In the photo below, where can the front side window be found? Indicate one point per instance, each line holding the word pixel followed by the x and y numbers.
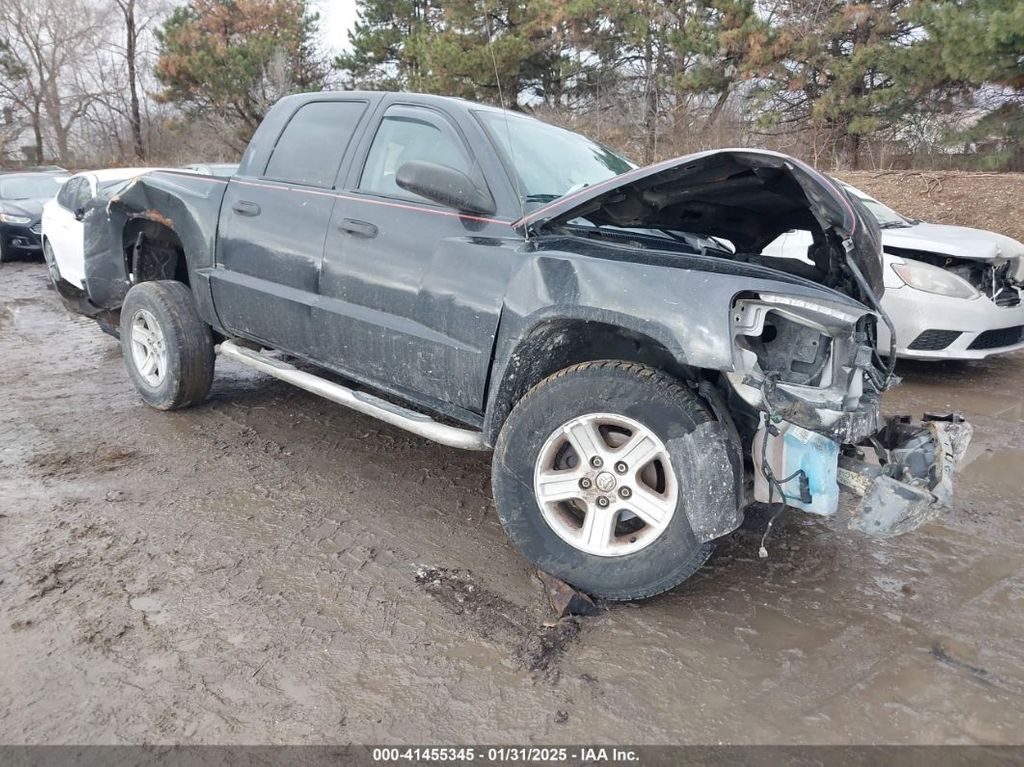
pixel 549 162
pixel 403 137
pixel 310 149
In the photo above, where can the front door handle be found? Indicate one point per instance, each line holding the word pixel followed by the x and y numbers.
pixel 358 228
pixel 246 208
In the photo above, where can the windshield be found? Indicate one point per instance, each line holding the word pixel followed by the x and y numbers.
pixel 29 188
pixel 550 161
pixel 884 215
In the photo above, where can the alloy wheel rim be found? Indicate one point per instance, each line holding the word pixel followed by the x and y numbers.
pixel 149 349
pixel 605 485
pixel 51 264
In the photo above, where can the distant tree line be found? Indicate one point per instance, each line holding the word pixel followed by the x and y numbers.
pixel 823 76
pixel 842 83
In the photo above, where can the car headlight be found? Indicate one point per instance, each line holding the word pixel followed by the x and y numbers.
pixel 933 279
pixel 10 218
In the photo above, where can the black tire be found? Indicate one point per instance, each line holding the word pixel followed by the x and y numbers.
pixel 4 257
pixel 655 400
pixel 188 342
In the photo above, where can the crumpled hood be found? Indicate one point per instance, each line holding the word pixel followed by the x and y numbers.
pixel 747 196
pixel 956 241
pixel 31 208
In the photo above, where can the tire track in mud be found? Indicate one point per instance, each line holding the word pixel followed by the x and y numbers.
pixel 536 648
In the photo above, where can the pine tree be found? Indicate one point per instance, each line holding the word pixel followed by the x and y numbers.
pixel 979 44
pixel 386 43
pixel 678 60
pixel 234 58
pixel 838 67
pixel 526 51
pixel 977 41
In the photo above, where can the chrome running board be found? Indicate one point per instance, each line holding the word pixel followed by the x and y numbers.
pixel 396 415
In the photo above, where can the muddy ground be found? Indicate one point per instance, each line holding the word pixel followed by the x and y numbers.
pixel 272 568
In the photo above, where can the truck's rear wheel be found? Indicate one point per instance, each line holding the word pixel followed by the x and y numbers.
pixel 167 347
pixel 587 479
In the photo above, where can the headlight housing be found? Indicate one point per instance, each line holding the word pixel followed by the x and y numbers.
pixel 933 279
pixel 819 356
pixel 10 218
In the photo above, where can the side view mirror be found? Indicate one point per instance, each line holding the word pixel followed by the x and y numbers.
pixel 79 214
pixel 445 186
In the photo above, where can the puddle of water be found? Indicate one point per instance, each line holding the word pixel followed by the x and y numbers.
pixel 914 396
pixel 998 473
pixel 985 388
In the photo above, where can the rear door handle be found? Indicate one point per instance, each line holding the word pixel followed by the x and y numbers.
pixel 358 228
pixel 245 208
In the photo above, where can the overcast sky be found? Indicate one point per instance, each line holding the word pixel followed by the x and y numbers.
pixel 336 19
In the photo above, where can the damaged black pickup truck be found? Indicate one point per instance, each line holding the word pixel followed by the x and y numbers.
pixel 491 282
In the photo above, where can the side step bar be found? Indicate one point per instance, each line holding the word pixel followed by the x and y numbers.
pixel 396 415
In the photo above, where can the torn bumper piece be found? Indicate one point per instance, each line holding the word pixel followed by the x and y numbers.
pixel 910 480
pixel 903 472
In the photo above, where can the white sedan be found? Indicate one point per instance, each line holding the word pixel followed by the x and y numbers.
pixel 951 292
pixel 63 233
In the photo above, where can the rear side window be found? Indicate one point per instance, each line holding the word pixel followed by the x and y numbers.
pixel 310 149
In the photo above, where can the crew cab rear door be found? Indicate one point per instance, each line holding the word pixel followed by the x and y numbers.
pixel 272 228
pixel 410 290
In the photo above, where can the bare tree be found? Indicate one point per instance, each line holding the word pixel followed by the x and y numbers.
pixel 47 40
pixel 131 30
pixel 137 17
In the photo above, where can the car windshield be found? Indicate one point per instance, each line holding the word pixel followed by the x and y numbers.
pixel 884 215
pixel 550 161
pixel 28 187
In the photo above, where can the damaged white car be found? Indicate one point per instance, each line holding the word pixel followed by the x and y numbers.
pixel 952 292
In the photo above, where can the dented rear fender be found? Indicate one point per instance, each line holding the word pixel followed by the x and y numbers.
pixel 187 204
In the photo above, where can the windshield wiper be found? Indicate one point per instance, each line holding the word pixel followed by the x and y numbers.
pixel 894 225
pixel 542 197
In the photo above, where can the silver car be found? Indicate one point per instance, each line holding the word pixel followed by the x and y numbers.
pixel 952 292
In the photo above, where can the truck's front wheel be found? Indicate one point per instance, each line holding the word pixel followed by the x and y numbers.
pixel 588 478
pixel 167 347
